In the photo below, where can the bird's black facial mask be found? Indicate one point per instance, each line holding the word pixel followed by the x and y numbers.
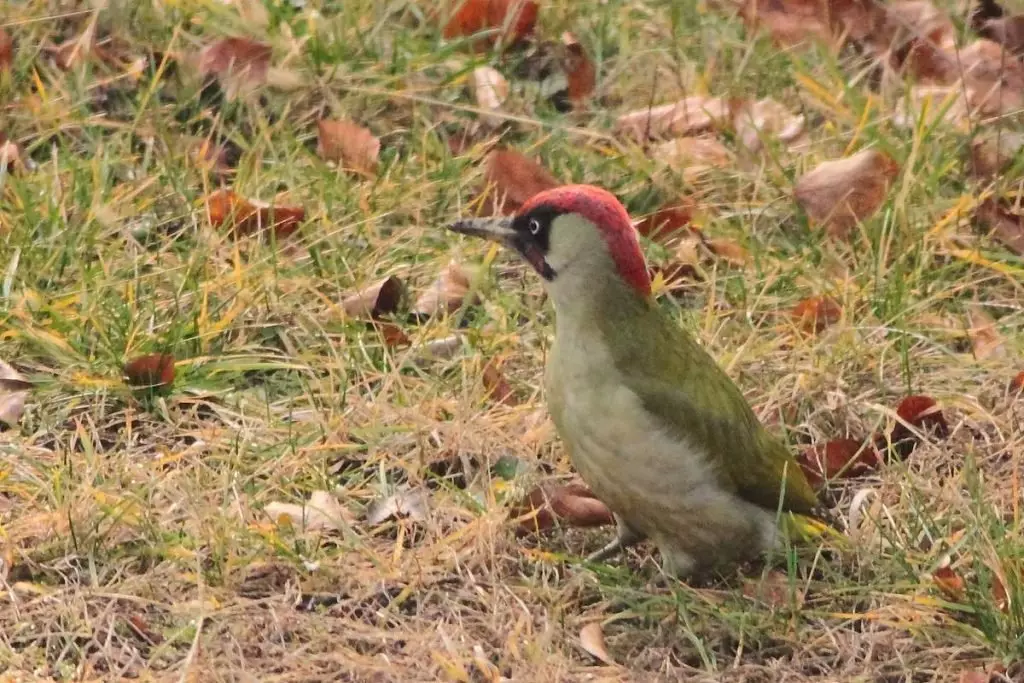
pixel 529 234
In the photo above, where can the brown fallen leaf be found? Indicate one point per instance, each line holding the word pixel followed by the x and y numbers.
pixel 669 222
pixel 445 295
pixel 490 90
pixel 592 642
pixel 1008 31
pixel 13 393
pixel 692 156
pixel 573 504
pixel 497 387
pixel 507 20
pixel 791 22
pixel 407 503
pixel 1017 383
pixel 992 78
pixel 992 153
pixel 927 103
pixel 973 676
pixel 227 209
pixel 919 412
pixel 949 583
pixel 580 73
pixel 816 313
pixel 323 512
pixel 839 458
pixel 6 50
pixel 986 341
pixel 729 251
pixel 152 371
pixel 839 193
pixel 348 144
pixel 240 64
pixel 677 119
pixel 510 180
pixel 380 298
pixel 756 121
pixel 1005 222
pixel 391 334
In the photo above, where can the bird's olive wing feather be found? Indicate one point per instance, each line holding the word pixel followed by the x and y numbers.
pixel 692 397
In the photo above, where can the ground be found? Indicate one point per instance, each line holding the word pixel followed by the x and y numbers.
pixel 143 533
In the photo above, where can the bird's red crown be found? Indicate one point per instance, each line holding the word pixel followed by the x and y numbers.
pixel 604 210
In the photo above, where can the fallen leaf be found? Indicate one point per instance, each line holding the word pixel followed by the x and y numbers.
pixel 13 393
pixel 323 512
pixel 791 22
pixel 240 64
pixel 227 209
pixel 926 103
pixel 729 251
pixel 949 583
pixel 1017 383
pixel 10 154
pixel 373 301
pixel 992 153
pixel 816 313
pixel 507 20
pixel 1005 222
pixel 692 156
pixel 490 90
pixel 445 295
pixel 992 78
pixel 1008 31
pixel 581 75
pixel 407 503
pixel 592 641
pixel 6 50
pixel 921 413
pixel 986 341
pixel 766 119
pixel 573 504
pixel 511 180
pixel 391 334
pixel 498 388
pixel 840 193
pixel 686 117
pixel 668 222
pixel 973 676
pixel 152 371
pixel 839 458
pixel 348 144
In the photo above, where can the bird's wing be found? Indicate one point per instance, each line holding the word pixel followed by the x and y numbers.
pixel 693 398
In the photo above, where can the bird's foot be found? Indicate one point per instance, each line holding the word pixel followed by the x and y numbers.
pixel 624 538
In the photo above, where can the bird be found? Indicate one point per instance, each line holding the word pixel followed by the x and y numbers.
pixel 653 425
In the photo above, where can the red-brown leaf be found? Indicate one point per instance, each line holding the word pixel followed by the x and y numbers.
pixel 242 58
pixel 950 583
pixel 237 214
pixel 474 16
pixel 839 458
pixel 511 179
pixel 837 194
pixel 816 313
pixel 6 50
pixel 348 144
pixel 498 388
pixel 668 222
pixel 573 504
pixel 921 412
pixel 152 371
pixel 1017 383
pixel 579 70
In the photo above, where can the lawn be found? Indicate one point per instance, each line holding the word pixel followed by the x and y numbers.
pixel 240 457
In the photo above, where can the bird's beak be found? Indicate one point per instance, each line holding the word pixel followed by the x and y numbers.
pixel 494 229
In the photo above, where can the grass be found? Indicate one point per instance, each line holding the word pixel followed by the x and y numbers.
pixel 133 528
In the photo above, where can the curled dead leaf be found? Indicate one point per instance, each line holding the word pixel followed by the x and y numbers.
pixel 227 209
pixel 840 193
pixel 692 156
pixel 816 313
pixel 839 458
pixel 380 298
pixel 323 512
pixel 507 20
pixel 409 504
pixel 754 122
pixel 581 76
pixel 917 412
pixel 510 180
pixel 240 64
pixel 152 371
pixel 13 393
pixel 391 334
pixel 490 89
pixel 497 387
pixel 348 144
pixel 592 642
pixel 986 341
pixel 445 295
pixel 573 504
pixel 677 119
pixel 1005 222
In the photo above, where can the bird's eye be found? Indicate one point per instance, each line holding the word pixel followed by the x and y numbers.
pixel 534 226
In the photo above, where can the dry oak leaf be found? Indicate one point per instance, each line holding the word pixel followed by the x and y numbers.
pixel 13 392
pixel 692 156
pixel 490 90
pixel 445 295
pixel 817 313
pixel 240 64
pixel 152 371
pixel 511 179
pixel 839 193
pixel 380 298
pixel 686 117
pixel 1006 224
pixel 573 504
pixel 242 216
pixel 839 458
pixel 509 20
pixel 348 144
pixel 592 642
pixel 986 341
pixel 766 118
pixel 580 73
pixel 323 512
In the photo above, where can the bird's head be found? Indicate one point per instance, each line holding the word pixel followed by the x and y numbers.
pixel 575 236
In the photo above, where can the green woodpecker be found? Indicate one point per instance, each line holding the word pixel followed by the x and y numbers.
pixel 657 430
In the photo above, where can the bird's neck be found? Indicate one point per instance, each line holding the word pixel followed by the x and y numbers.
pixel 595 305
